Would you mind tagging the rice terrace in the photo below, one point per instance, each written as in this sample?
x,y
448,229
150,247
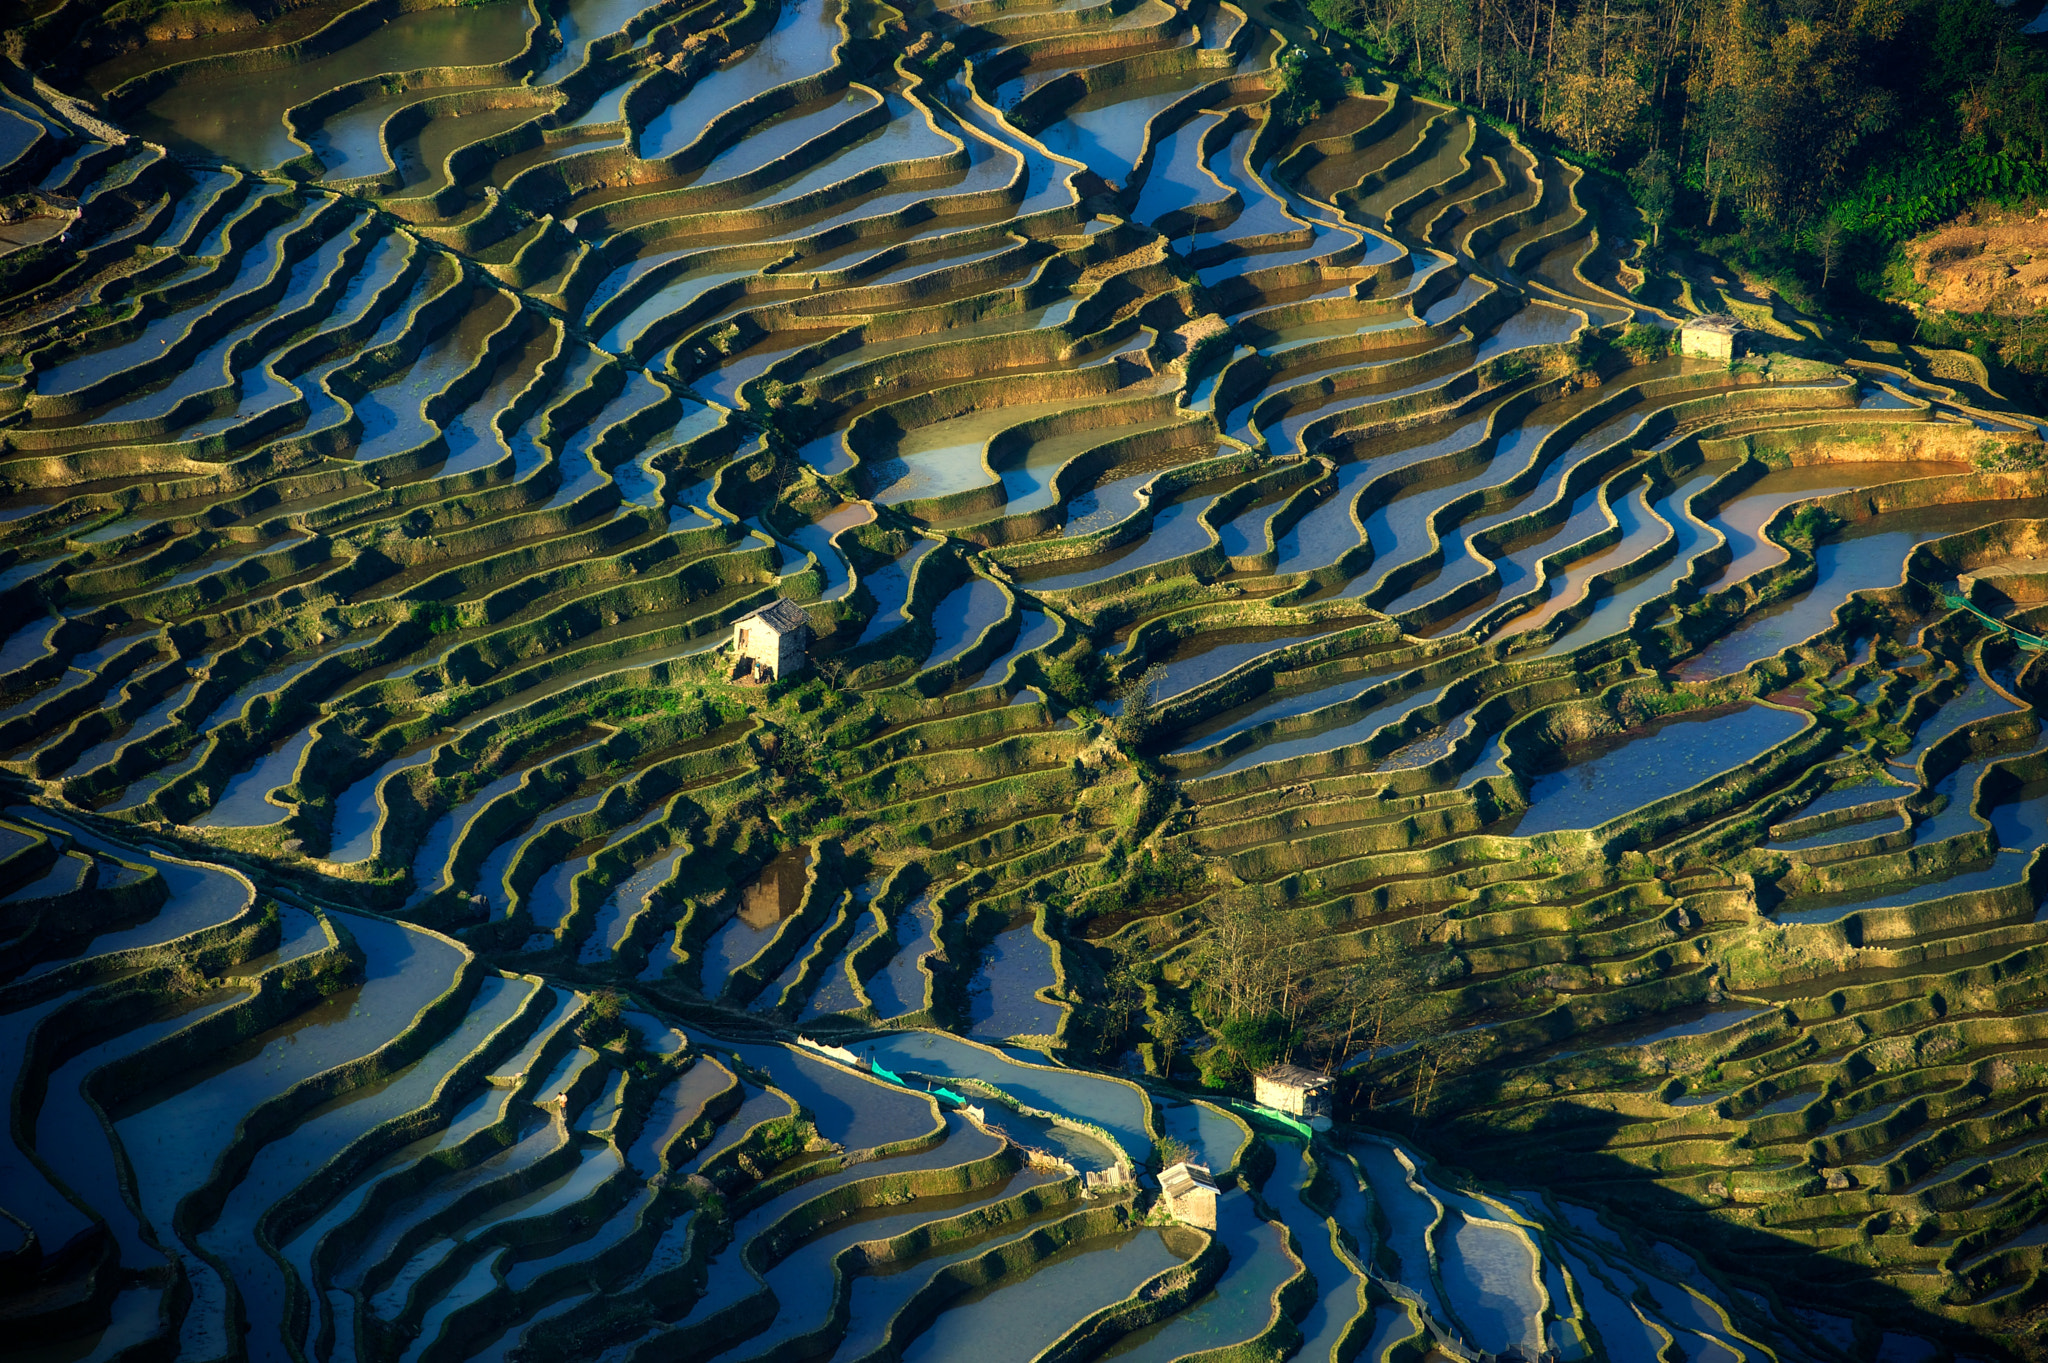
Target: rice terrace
x,y
1227,680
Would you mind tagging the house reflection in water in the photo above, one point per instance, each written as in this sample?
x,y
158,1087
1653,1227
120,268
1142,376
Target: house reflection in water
x,y
775,893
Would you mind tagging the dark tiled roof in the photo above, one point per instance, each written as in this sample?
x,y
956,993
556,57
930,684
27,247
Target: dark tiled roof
x,y
1294,1076
781,615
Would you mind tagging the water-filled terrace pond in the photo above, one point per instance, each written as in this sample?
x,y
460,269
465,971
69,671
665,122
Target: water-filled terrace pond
x,y
763,904
1014,1321
240,114
1608,777
1868,554
1002,999
1116,1107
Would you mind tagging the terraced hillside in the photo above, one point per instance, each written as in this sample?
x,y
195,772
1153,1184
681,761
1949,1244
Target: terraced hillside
x,y
1275,592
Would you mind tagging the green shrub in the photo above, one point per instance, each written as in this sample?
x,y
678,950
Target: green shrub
x,y
782,1138
1511,368
1309,83
1809,524
1069,678
1645,343
438,616
1220,1067
604,1020
1169,870
1591,348
1257,1040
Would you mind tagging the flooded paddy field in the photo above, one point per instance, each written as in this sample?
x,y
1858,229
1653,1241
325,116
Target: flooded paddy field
x,y
1270,595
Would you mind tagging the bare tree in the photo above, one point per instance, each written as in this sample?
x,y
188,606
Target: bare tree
x,y
1437,1055
1236,962
1378,1001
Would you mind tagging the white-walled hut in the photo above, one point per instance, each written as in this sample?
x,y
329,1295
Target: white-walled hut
x,y
772,643
1189,1193
1714,337
1294,1090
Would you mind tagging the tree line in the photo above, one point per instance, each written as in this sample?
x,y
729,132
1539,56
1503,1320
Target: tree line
x,y
1808,121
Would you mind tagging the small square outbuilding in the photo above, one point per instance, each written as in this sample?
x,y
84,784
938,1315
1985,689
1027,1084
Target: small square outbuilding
x,y
1294,1090
1190,1194
771,643
1715,337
